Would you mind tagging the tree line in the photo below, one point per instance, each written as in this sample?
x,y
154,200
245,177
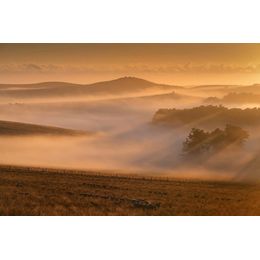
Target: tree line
x,y
208,116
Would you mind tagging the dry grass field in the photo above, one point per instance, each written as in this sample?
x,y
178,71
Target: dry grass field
x,y
39,191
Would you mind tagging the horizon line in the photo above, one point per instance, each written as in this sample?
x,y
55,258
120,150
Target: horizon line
x,y
133,77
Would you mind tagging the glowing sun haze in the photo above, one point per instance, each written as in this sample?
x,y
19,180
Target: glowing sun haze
x,y
179,64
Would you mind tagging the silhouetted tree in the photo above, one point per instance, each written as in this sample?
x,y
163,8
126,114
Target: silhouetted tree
x,y
199,141
196,141
235,134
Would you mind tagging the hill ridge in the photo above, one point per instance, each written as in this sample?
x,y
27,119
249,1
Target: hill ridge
x,y
14,128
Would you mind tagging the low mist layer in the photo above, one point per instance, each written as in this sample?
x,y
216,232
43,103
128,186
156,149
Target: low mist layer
x,y
125,138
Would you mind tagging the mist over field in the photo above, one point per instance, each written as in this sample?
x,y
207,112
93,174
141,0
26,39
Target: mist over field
x,y
120,133
179,136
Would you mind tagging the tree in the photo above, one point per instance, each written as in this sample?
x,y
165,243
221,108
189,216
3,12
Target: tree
x,y
235,134
196,141
200,142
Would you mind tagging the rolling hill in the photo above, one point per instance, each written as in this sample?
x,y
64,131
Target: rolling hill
x,y
10,128
117,87
235,98
125,85
160,97
225,89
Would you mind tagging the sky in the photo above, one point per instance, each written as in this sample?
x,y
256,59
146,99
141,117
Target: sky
x,y
177,64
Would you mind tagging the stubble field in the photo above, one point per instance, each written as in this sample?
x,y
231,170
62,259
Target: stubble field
x,y
42,191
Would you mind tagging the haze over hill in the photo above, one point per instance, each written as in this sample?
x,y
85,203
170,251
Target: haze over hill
x,y
180,136
235,98
121,87
9,128
221,90
121,112
117,87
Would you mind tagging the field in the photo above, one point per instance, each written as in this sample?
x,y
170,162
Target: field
x,y
42,191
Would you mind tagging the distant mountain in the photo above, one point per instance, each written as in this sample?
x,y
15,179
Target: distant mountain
x,y
16,128
126,85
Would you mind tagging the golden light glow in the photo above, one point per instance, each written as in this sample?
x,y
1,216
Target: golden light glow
x,y
181,64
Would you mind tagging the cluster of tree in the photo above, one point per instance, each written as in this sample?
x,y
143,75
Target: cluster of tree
x,y
212,116
235,98
202,142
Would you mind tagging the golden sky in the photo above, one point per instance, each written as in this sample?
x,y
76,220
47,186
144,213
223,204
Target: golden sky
x,y
179,64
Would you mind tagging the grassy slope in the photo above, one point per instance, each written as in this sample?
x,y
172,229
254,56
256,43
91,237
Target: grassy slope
x,y
17,128
36,191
